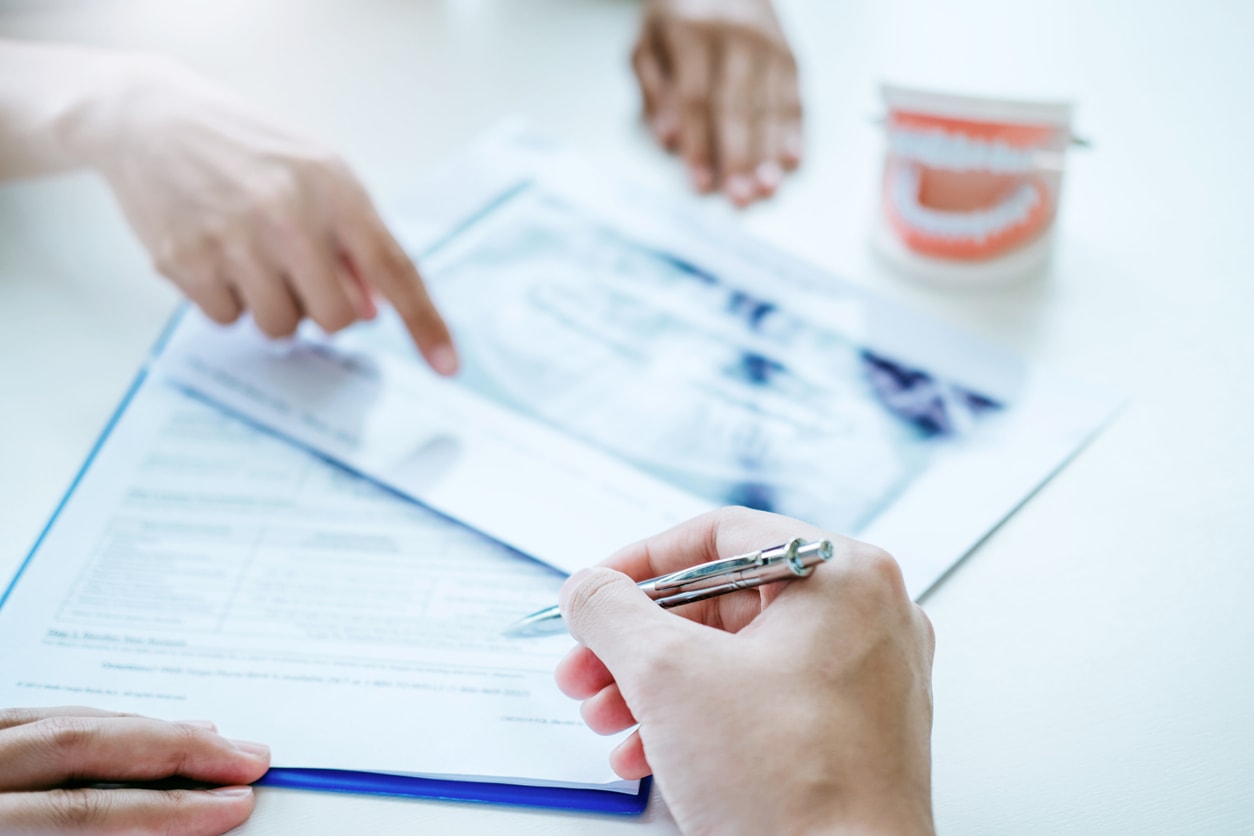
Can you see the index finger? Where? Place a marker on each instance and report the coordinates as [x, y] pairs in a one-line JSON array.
[[722, 533], [380, 261]]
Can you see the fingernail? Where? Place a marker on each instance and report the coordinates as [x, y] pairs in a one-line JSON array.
[[258, 750], [231, 792], [200, 724], [740, 189], [444, 360], [769, 176], [702, 179]]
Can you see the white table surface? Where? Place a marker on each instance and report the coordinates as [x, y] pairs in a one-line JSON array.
[[1095, 664]]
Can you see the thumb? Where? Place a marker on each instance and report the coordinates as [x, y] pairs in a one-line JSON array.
[[606, 612]]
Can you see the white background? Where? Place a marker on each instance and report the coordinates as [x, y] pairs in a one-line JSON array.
[[1095, 664]]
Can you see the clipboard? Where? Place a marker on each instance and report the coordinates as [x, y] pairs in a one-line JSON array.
[[579, 799]]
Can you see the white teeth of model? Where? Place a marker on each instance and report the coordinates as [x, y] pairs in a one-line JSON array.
[[955, 152], [978, 225]]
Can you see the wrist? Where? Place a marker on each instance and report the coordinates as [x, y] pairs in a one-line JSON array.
[[64, 106], [900, 814], [859, 805], [104, 120]]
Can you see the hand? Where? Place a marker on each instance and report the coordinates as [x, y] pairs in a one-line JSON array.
[[719, 84], [789, 708], [244, 215], [47, 755]]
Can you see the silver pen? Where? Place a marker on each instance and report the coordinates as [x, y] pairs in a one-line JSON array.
[[794, 559]]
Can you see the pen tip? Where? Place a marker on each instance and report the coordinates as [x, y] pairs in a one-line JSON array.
[[543, 623]]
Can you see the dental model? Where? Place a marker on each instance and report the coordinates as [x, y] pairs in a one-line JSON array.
[[971, 185]]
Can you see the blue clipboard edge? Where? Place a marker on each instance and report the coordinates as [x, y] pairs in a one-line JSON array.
[[409, 786], [140, 377], [336, 780]]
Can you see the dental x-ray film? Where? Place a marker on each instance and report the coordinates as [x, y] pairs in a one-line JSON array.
[[721, 366], [709, 385]]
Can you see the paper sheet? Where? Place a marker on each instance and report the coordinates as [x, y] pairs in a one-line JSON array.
[[627, 364], [206, 570]]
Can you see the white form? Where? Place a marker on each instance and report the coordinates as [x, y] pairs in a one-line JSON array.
[[206, 570]]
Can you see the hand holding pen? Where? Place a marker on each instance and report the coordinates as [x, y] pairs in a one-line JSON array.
[[793, 560], [818, 691]]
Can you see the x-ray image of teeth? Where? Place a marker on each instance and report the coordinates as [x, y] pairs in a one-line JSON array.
[[710, 387]]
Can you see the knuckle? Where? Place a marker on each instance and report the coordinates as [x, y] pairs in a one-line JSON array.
[[66, 735], [172, 261], [74, 811], [196, 249], [188, 740], [277, 216], [691, 24], [879, 572], [177, 801], [325, 175], [273, 201], [188, 737], [17, 717]]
